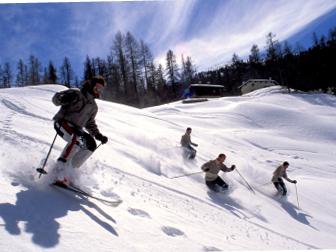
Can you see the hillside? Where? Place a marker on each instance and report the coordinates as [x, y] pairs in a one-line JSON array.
[[257, 132]]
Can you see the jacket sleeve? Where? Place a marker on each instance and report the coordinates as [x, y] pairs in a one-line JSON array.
[[205, 166], [91, 125], [224, 168], [195, 144], [286, 177]]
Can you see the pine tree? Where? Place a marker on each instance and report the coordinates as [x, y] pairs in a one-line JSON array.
[[273, 50], [7, 76], [45, 78], [66, 72], [88, 69], [146, 60], [34, 71], [172, 71], [100, 67], [255, 57], [113, 80], [21, 76], [190, 70], [132, 53], [119, 54], [159, 76], [287, 49], [52, 73]]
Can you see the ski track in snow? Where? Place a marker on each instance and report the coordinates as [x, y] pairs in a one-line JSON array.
[[133, 168], [20, 109], [172, 196]]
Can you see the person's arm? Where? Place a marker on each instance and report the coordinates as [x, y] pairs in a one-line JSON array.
[[288, 179], [91, 125], [194, 144], [92, 128], [206, 167], [224, 168]]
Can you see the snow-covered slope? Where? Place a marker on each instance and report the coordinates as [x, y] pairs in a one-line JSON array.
[[257, 132]]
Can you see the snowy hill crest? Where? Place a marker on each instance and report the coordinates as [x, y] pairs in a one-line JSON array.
[[257, 132]]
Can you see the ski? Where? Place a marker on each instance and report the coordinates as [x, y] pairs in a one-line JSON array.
[[76, 190]]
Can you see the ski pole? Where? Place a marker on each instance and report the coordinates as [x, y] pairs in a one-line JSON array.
[[297, 197], [245, 180], [185, 175], [98, 146], [41, 170]]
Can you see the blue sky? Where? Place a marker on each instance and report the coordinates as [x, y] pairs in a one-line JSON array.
[[209, 31]]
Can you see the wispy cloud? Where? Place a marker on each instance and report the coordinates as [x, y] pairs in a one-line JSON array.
[[209, 31], [237, 25]]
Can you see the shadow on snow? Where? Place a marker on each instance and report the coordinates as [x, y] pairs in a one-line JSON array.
[[39, 209]]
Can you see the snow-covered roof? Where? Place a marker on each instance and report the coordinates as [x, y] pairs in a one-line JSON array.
[[258, 80]]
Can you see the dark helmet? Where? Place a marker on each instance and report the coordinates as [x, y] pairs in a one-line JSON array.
[[89, 85], [285, 163]]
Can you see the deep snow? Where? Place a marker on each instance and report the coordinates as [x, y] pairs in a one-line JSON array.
[[257, 132]]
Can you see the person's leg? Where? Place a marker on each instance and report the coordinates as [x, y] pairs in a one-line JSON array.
[[284, 189], [277, 186], [186, 152], [66, 131], [88, 147], [219, 181], [212, 185], [192, 152]]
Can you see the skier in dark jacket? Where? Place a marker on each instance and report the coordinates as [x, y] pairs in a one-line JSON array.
[[78, 110], [278, 174], [188, 151], [212, 168]]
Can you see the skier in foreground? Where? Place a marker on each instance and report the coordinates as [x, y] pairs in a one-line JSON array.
[[78, 110], [278, 174], [188, 151], [211, 169]]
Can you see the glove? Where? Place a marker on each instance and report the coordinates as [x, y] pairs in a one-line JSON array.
[[69, 97], [294, 181], [103, 139], [233, 167]]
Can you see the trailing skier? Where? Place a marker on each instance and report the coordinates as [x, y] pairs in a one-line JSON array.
[[212, 168], [78, 110], [188, 151], [278, 174]]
